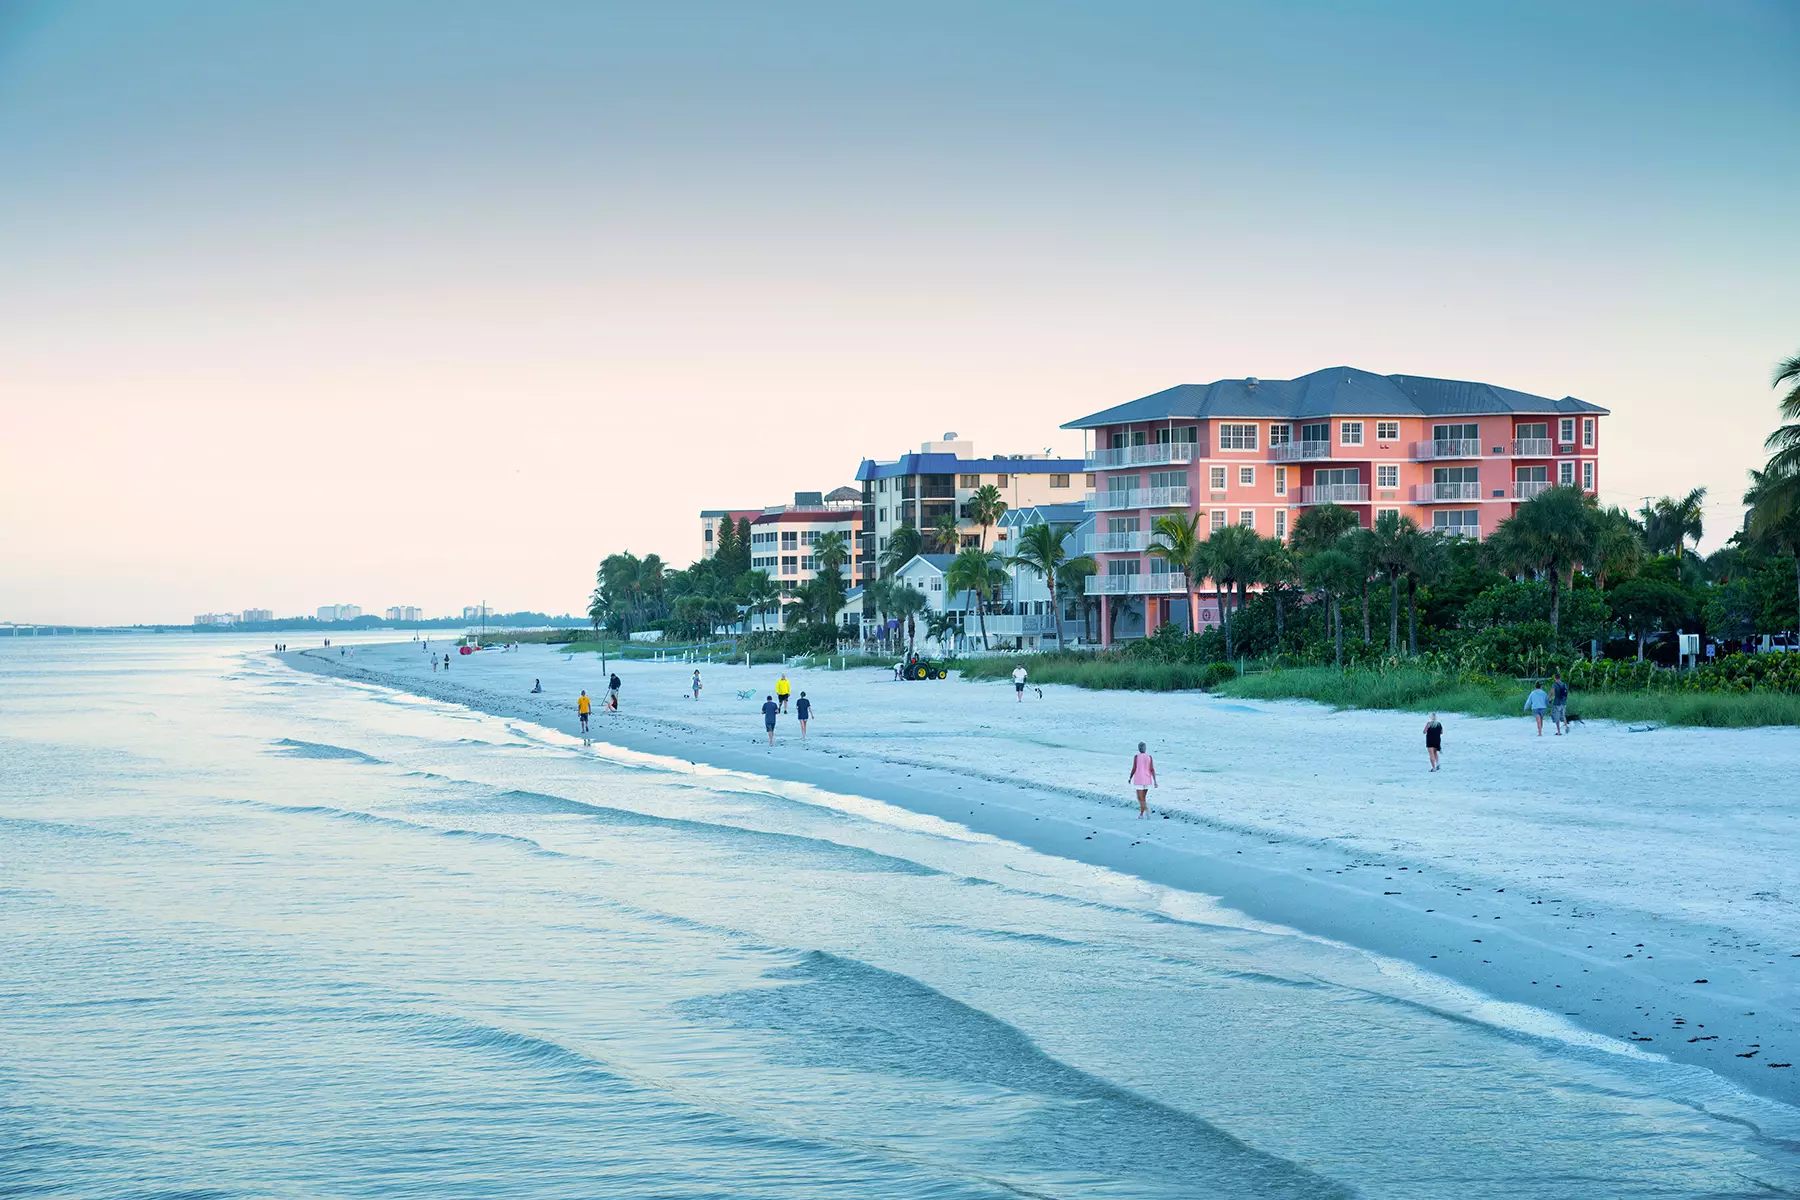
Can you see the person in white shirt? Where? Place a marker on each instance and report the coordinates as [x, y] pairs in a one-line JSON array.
[[1019, 683]]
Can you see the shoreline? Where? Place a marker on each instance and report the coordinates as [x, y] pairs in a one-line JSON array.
[[1623, 980]]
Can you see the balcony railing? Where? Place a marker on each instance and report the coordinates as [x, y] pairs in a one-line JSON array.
[[1149, 455], [1116, 543], [1434, 493], [1022, 625], [1450, 448], [1531, 448], [1163, 583], [1525, 489], [1335, 493], [1114, 500], [1300, 451], [1464, 533]]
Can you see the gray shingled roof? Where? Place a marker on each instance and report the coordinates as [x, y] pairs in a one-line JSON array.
[[1332, 392]]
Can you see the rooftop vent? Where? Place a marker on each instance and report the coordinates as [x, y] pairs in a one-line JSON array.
[[1251, 382], [950, 437]]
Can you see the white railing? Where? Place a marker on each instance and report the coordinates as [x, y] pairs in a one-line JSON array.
[[1525, 489], [1156, 497], [1162, 583], [1335, 493], [1432, 493], [1298, 451], [1531, 448], [1463, 533], [1148, 455], [1116, 543], [1451, 448], [1021, 625]]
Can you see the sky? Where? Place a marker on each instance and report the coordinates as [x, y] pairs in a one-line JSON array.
[[430, 303]]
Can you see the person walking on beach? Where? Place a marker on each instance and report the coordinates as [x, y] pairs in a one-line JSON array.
[[1535, 704], [696, 683], [1434, 739], [612, 692], [584, 706], [1019, 683], [1559, 704], [782, 688], [434, 664], [1143, 778], [770, 711], [803, 710]]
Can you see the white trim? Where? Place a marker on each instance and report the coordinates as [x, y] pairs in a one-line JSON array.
[[1344, 428]]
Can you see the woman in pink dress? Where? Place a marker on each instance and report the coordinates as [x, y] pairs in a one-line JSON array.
[[1143, 778]]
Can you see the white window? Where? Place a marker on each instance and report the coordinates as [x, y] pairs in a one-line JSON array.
[[1281, 524], [1566, 427], [808, 563], [1380, 512], [1387, 475], [937, 585], [881, 485], [1565, 472], [968, 481], [1218, 518], [1168, 479], [1280, 434], [1587, 476], [1246, 476], [881, 514], [1218, 479], [790, 564], [1237, 437], [790, 541], [1587, 432], [1462, 522], [1089, 479], [1281, 481], [880, 545], [1059, 481], [1350, 433], [1387, 431], [1247, 518]]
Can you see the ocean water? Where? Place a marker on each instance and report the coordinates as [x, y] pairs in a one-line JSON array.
[[265, 934]]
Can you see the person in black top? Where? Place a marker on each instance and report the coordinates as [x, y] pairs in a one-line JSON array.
[[1559, 704], [612, 693], [770, 711], [1434, 740], [803, 710]]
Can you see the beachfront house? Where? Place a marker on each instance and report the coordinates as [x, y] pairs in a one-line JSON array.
[[1456, 457], [782, 538], [1023, 619]]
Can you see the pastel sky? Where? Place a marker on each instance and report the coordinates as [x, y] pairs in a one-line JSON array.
[[423, 303]]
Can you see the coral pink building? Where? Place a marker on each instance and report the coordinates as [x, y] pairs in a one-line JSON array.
[[1455, 457]]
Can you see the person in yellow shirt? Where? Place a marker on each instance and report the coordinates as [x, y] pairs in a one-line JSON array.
[[782, 688], [584, 706]]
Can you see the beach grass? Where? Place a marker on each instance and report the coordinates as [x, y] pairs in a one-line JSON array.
[[1418, 690], [1089, 671]]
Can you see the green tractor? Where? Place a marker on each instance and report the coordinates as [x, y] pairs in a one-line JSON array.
[[924, 668]]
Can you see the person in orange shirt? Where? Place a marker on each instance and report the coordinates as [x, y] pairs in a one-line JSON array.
[[584, 706]]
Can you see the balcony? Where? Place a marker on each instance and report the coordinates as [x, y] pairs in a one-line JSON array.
[[1152, 454], [1437, 493], [1531, 448], [1162, 583], [1024, 625], [1300, 451], [1526, 489], [1116, 543], [1335, 493], [1117, 500], [1453, 448]]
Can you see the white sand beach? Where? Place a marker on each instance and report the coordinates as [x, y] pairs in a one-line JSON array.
[[1644, 887]]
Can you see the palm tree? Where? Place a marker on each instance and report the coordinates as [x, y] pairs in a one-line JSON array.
[[1336, 573], [945, 533], [1618, 546], [1277, 570], [1071, 580], [761, 595], [938, 624], [905, 603], [1390, 547], [1774, 500], [1427, 562], [904, 544], [1360, 545], [1785, 441], [1552, 533], [1320, 527], [971, 572], [832, 551], [985, 508], [1672, 521], [1175, 540], [1230, 556], [1040, 549]]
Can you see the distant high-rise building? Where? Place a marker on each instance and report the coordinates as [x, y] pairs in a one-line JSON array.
[[349, 612], [257, 614], [404, 612], [215, 619], [476, 612], [328, 612]]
